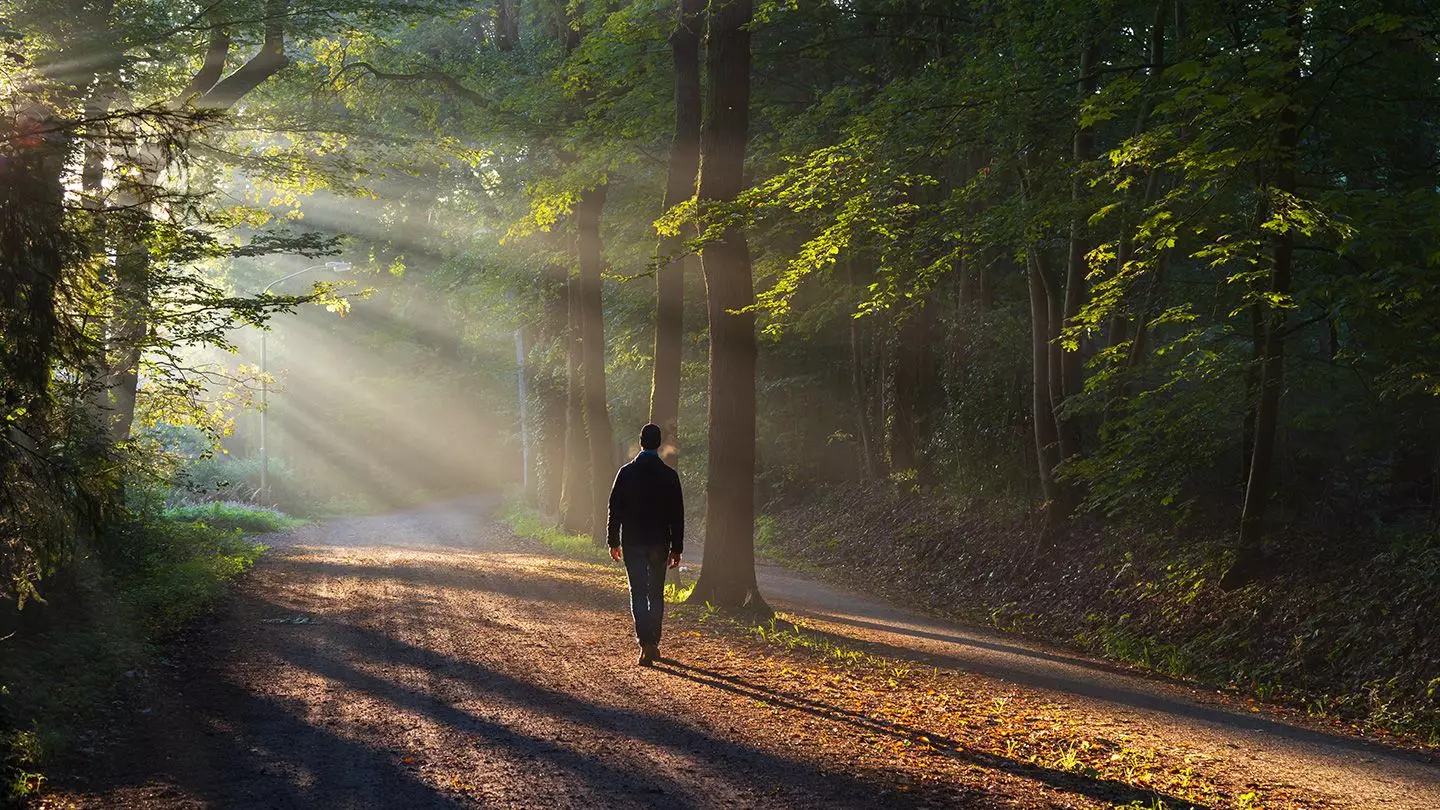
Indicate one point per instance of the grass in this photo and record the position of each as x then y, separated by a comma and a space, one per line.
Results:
228, 516
151, 573
526, 522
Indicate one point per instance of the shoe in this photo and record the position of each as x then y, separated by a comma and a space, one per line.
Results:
646, 660
655, 653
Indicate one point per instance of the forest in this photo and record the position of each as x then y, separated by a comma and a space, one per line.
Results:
1110, 324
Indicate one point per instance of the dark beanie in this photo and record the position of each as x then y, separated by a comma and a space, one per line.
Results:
650, 437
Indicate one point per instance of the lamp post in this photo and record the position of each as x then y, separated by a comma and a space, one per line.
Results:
338, 267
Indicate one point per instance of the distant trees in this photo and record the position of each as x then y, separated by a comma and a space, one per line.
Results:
1160, 260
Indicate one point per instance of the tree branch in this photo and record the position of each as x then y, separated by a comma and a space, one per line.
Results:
270, 60
213, 66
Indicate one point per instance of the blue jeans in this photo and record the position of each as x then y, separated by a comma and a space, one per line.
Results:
645, 566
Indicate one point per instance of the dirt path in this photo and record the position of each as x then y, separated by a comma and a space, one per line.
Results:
1338, 770
429, 659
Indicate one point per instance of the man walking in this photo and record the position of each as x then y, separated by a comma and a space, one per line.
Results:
647, 528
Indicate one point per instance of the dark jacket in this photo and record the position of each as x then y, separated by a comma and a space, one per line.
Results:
646, 507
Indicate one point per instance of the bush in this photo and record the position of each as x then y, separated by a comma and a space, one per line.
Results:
229, 516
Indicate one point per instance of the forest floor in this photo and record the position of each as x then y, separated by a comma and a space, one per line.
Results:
432, 659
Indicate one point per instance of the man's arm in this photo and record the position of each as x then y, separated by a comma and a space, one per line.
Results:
617, 510
677, 516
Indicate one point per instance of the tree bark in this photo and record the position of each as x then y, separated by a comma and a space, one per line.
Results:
728, 577
32, 252
860, 388
672, 258
507, 25
904, 427
553, 397
592, 339
576, 503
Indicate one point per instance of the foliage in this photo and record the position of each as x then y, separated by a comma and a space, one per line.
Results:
229, 517
152, 572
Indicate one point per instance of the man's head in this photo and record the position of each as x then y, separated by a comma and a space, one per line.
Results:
650, 437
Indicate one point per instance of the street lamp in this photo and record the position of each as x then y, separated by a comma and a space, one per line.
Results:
336, 267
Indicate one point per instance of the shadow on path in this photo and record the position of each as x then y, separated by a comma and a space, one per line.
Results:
612, 726
1124, 689
1107, 790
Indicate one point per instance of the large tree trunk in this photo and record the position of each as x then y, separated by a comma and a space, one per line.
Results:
728, 576
552, 397
576, 503
1250, 557
32, 250
592, 340
672, 258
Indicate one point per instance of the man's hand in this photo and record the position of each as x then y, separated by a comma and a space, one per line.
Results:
615, 553
674, 559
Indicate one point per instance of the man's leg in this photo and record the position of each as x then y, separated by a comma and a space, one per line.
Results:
637, 569
656, 559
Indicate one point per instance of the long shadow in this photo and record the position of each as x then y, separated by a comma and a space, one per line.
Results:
602, 777
982, 643
1096, 788
664, 731
1113, 689
809, 782
1110, 691
233, 748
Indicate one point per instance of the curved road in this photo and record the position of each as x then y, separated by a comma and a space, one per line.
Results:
1343, 771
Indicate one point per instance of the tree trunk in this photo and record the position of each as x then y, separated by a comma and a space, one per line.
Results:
1047, 450
507, 25
523, 373
860, 389
32, 251
576, 503
128, 328
728, 576
1258, 487
207, 90
553, 397
672, 259
904, 428
592, 340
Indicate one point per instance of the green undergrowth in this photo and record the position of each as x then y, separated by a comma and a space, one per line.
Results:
526, 522
789, 633
149, 574
231, 516
1342, 632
